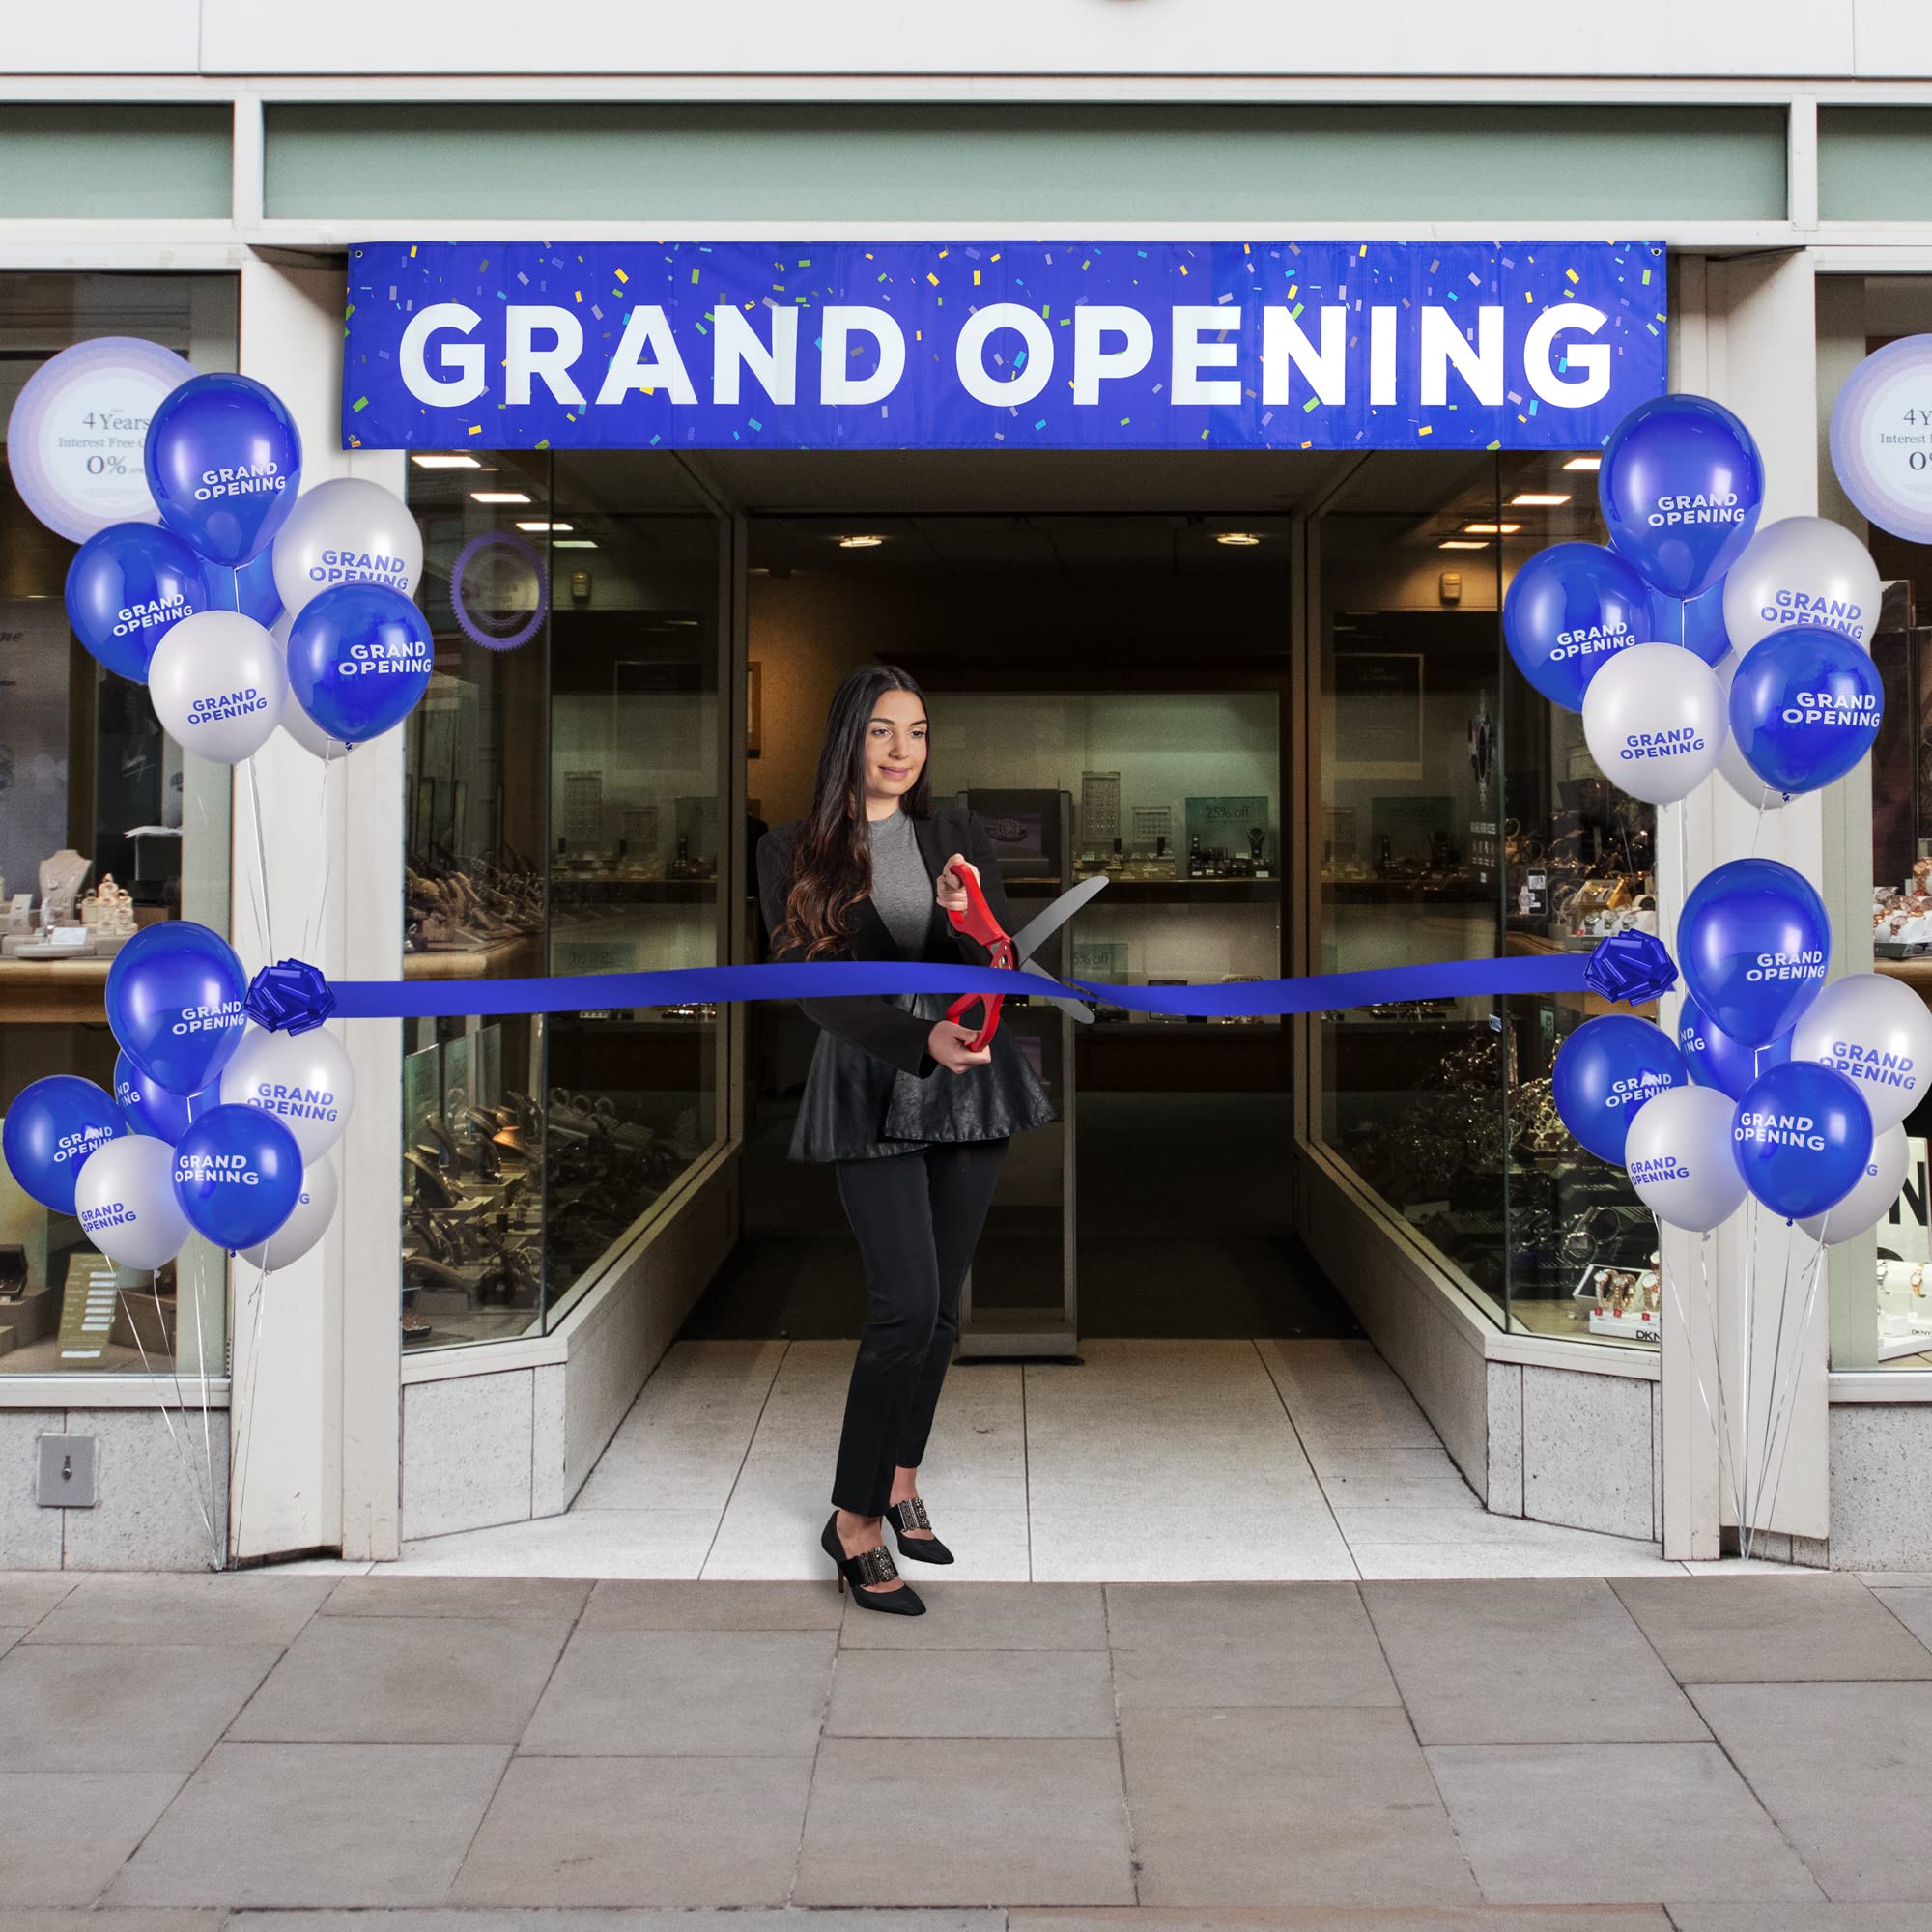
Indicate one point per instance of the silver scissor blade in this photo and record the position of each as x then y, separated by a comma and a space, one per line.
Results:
1072, 1007
1042, 928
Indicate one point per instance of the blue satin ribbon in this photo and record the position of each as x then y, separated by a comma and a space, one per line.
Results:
827, 980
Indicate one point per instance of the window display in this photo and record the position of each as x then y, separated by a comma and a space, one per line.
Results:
1463, 817
105, 827
564, 814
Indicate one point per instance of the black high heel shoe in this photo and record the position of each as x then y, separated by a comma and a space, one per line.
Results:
869, 1566
910, 1515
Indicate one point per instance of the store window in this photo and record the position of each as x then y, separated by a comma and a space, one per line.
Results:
1889, 1324
564, 812
105, 826
1462, 817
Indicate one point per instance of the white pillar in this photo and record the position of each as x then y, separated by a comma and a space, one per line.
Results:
317, 1448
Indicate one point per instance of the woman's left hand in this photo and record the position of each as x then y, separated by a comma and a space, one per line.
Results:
949, 889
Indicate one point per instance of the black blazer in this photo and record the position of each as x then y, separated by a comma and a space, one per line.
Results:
887, 1032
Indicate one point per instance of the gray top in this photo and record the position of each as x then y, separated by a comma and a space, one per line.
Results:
901, 892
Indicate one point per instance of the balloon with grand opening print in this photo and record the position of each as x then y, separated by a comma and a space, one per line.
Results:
1608, 1070
218, 684
223, 460
251, 590
1719, 1062
1802, 571
149, 1108
1570, 608
127, 588
125, 1202
1801, 1137
1731, 766
238, 1175
1878, 1033
1654, 719
1698, 623
1804, 708
1679, 1157
51, 1128
1872, 1194
347, 530
308, 1219
303, 1079
1681, 488
297, 723
1752, 944
174, 1001
359, 659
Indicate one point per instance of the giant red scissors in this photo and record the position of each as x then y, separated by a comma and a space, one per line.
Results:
1012, 954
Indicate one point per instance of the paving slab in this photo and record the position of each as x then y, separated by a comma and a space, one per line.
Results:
600, 1918
985, 1616
9, 1638
1551, 1660
214, 1610
542, 1598
65, 1835
405, 1680
615, 1831
1710, 1918
1266, 1807
1176, 1645
1348, 1918
53, 1918
121, 1707
1036, 1821
685, 1693
1680, 1824
1836, 1763
1762, 1629
972, 1694
301, 1824
676, 1603
1913, 1607
26, 1596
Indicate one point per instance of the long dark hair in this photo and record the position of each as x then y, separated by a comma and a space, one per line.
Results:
831, 862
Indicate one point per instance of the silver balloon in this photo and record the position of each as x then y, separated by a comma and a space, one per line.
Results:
308, 1220
218, 683
347, 530
1802, 570
1679, 1157
303, 1079
124, 1197
1654, 719
1872, 1193
1877, 1032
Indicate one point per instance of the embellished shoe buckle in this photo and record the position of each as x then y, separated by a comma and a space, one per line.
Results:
911, 1514
875, 1565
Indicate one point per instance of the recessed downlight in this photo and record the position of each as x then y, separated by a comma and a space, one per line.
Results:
538, 528
1462, 543
860, 542
1584, 462
498, 496
1491, 529
1238, 539
428, 462
1539, 499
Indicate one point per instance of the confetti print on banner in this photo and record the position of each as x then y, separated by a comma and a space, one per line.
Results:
855, 345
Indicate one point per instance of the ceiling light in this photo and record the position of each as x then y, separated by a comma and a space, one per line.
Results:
575, 543
1491, 529
446, 463
1236, 539
497, 497
1538, 499
860, 543
1459, 543
537, 528
1584, 462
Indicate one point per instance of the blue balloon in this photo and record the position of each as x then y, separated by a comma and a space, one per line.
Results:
1698, 623
1801, 1137
223, 459
174, 1001
1570, 609
359, 659
152, 1110
1717, 1061
1681, 488
238, 1175
50, 1129
1805, 705
251, 590
1754, 943
128, 587
1604, 1071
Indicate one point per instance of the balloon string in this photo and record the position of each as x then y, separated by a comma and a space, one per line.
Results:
1674, 1290
1757, 828
1741, 1457
1725, 1452
262, 865
247, 1451
180, 1453
207, 1432
1771, 1386
1798, 1370
327, 864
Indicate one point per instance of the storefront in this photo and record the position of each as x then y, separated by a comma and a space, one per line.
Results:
1295, 635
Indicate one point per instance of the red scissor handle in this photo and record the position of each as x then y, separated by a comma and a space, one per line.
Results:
977, 922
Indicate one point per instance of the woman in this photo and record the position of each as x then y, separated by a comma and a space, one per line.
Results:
913, 1120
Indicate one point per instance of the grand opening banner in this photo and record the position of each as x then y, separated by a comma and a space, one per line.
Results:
991, 344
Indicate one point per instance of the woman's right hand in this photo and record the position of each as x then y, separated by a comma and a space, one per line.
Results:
950, 1044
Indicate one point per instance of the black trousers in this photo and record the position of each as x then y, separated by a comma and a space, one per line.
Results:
918, 1218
